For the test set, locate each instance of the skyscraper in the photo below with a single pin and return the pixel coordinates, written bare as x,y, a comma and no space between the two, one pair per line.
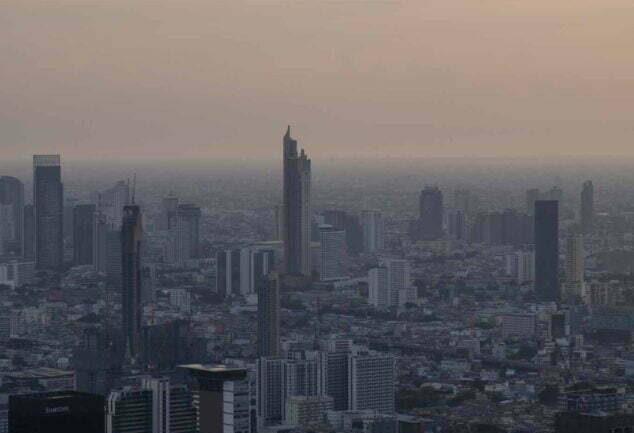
546,250
131,249
28,237
11,215
168,213
431,213
268,337
185,228
111,202
532,195
83,234
48,201
297,209
332,253
575,268
373,232
587,206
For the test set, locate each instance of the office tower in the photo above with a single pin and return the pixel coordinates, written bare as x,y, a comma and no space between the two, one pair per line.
168,213
575,269
390,284
521,266
373,231
532,195
131,249
62,411
11,215
546,250
587,206
268,337
372,383
456,225
28,240
270,395
222,398
48,202
431,213
154,406
297,209
112,201
332,253
83,234
465,202
335,218
185,233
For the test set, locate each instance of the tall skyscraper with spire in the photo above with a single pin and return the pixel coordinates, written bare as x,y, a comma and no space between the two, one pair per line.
48,201
131,248
296,208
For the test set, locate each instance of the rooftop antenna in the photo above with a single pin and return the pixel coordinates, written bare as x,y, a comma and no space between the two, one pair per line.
133,187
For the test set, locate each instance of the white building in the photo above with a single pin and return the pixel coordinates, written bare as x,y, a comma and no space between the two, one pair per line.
390,284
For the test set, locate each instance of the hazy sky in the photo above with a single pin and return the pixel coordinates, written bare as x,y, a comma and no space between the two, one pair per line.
214,78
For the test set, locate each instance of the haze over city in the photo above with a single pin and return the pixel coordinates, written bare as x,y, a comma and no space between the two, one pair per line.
371,79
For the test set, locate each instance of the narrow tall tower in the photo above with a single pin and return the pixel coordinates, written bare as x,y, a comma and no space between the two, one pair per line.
547,250
431,213
296,212
268,344
587,206
48,201
131,244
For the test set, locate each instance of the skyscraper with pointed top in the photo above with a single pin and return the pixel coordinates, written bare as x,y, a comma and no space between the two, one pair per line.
131,248
296,208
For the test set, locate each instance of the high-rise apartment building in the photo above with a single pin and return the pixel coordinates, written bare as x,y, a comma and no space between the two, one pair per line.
547,250
431,213
48,201
390,284
332,253
587,206
297,208
228,272
268,332
131,276
575,269
83,234
11,215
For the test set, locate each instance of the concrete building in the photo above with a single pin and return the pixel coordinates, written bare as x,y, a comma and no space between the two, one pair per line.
518,325
308,410
547,250
268,332
373,230
390,284
575,268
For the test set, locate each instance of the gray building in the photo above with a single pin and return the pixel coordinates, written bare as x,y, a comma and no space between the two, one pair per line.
48,200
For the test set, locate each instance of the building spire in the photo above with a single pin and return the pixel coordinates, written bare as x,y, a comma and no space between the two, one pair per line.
288,131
